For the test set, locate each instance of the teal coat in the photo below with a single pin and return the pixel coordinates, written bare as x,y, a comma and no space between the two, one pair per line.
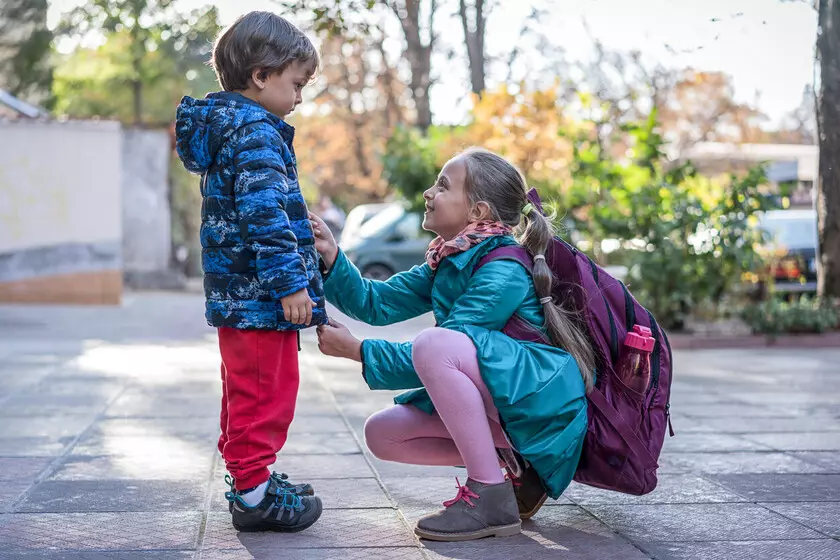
537,389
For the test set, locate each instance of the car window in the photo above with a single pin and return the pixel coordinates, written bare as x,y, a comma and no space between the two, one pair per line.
409,227
381,221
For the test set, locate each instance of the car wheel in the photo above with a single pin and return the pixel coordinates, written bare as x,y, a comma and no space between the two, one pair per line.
377,272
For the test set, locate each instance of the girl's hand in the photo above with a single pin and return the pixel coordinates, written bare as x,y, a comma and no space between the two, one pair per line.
324,241
335,339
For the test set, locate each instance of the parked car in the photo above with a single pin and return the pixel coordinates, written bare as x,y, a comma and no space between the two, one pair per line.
357,217
793,238
391,240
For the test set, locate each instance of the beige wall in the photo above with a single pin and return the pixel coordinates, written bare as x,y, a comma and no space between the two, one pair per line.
60,211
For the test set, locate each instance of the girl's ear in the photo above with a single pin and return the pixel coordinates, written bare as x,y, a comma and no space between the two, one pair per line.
481,211
259,76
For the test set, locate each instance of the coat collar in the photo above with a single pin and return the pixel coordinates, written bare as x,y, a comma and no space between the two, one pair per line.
463,260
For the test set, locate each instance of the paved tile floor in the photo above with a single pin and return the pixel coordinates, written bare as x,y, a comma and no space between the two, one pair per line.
108,420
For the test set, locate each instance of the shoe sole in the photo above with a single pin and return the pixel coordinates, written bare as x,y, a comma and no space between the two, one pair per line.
280,529
533,512
501,531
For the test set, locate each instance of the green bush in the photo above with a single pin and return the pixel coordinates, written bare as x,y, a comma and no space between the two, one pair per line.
410,164
801,316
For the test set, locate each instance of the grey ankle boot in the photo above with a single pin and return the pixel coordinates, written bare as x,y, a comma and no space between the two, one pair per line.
479,510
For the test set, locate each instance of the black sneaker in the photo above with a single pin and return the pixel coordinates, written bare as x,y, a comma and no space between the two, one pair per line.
280,510
282,480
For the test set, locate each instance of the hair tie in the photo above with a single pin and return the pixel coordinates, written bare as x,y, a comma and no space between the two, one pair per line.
546,300
527,209
539,257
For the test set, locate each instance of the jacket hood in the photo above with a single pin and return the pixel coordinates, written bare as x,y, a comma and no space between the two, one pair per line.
202,126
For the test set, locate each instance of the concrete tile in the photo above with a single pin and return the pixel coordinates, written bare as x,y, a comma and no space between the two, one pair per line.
358,493
45,426
201,429
699,522
828,460
317,424
150,446
30,447
158,405
801,441
107,555
10,492
823,517
735,411
773,425
337,528
176,466
96,531
59,405
557,532
336,443
782,487
824,549
305,467
706,442
22,469
738,462
671,489
389,469
262,552
114,496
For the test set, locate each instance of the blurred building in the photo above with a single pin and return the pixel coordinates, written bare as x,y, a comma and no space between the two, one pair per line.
792,164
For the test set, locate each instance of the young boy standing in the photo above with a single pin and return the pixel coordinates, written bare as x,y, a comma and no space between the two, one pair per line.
261,278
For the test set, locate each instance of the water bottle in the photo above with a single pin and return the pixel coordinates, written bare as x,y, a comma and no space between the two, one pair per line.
634,364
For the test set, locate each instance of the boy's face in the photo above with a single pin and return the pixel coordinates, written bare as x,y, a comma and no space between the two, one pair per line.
281,91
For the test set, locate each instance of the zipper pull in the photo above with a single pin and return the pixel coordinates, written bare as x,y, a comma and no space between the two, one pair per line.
668,416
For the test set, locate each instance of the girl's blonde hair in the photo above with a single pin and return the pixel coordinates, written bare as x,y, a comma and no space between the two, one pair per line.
492,179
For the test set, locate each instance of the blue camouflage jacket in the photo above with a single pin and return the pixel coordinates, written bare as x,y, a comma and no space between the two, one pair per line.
257,243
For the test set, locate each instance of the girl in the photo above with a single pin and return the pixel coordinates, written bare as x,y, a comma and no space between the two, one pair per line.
475,389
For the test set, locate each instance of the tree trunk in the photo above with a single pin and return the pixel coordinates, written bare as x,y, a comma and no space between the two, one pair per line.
474,39
828,122
419,56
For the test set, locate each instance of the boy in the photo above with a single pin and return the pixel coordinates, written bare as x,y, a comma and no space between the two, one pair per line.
261,282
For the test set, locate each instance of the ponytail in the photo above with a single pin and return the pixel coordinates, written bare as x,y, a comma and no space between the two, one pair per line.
561,323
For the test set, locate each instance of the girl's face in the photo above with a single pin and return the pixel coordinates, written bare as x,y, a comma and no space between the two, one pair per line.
448,209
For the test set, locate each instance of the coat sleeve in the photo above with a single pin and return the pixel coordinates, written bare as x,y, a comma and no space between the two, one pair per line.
260,193
493,295
402,297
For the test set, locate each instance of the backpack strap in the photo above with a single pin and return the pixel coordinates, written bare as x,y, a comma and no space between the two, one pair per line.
509,253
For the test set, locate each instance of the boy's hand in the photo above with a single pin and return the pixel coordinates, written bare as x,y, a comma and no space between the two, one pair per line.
297,307
324,241
335,339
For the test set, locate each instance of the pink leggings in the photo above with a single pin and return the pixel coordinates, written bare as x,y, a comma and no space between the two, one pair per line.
465,428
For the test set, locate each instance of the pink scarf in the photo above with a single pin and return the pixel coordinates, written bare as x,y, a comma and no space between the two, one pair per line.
472,235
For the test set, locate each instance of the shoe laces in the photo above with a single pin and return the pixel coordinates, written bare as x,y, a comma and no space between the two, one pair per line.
282,479
288,501
464,493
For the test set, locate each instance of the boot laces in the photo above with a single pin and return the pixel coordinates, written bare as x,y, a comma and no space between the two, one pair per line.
464,493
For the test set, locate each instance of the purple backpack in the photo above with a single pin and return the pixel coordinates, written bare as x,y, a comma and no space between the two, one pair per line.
626,429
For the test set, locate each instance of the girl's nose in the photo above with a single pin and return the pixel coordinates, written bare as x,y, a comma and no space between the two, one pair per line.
427,194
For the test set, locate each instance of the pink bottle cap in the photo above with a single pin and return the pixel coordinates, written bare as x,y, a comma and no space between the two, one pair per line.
644,331
639,342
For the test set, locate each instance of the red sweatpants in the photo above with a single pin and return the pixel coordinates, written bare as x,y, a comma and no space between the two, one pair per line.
260,379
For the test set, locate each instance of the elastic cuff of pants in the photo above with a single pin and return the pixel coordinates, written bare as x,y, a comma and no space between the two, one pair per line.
251,481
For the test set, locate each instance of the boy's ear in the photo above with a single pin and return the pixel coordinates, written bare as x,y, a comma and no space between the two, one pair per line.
258,77
481,211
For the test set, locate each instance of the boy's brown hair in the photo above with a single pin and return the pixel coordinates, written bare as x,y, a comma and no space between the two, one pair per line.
259,41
